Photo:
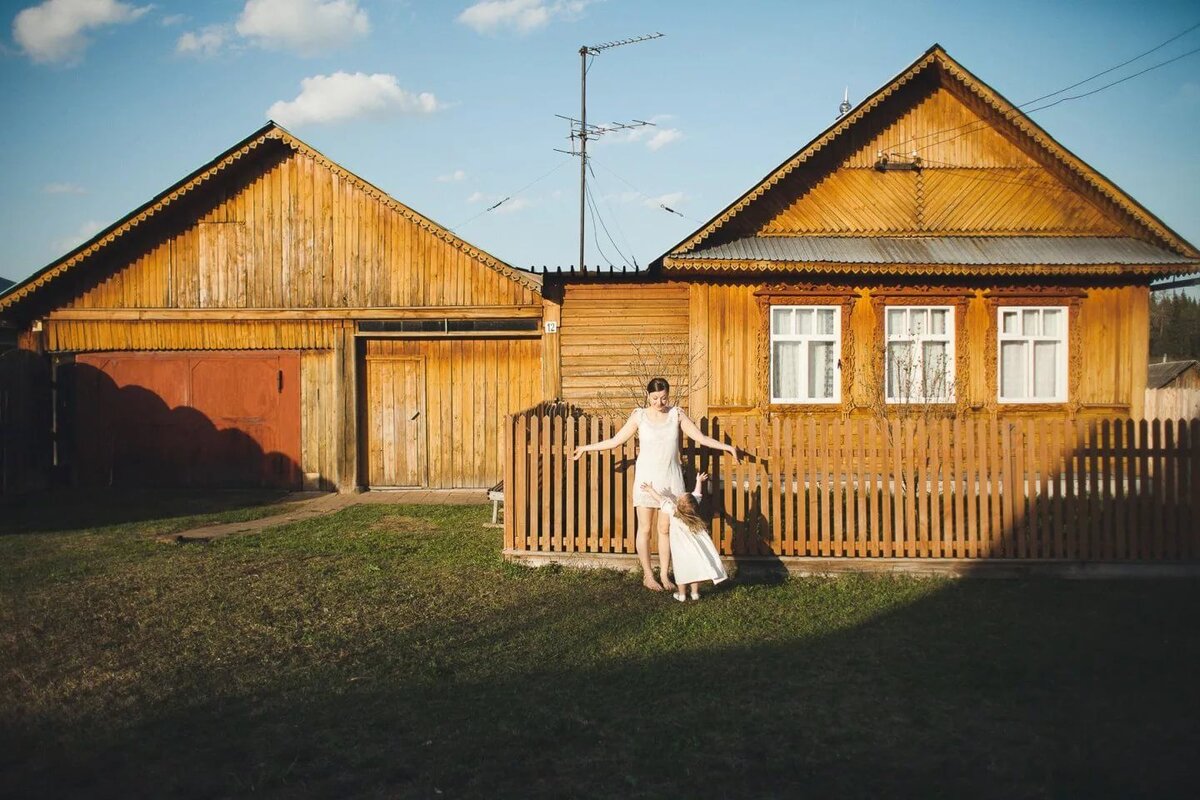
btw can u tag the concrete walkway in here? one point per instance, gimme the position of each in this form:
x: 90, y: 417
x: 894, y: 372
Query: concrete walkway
x: 306, y: 505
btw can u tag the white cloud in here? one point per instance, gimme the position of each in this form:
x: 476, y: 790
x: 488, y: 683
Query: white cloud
x: 513, y: 206
x: 654, y: 137
x: 523, y: 16
x: 342, y: 96
x: 663, y: 137
x: 670, y: 199
x: 63, y: 188
x: 305, y: 26
x: 69, y: 242
x: 173, y: 19
x: 208, y: 42
x: 475, y: 197
x: 453, y: 177
x: 53, y: 32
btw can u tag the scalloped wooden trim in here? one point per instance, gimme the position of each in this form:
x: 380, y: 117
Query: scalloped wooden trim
x: 1007, y: 112
x: 732, y: 265
x: 531, y: 282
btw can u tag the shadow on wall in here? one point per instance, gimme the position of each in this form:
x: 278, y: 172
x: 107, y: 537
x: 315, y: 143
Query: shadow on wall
x: 128, y: 436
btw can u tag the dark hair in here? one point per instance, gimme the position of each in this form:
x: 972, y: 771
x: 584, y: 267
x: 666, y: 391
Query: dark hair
x: 658, y: 385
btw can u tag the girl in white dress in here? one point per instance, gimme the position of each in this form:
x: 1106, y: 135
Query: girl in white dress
x: 657, y: 426
x: 695, y: 559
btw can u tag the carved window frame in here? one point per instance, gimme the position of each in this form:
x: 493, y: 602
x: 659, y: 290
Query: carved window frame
x: 842, y: 297
x: 1070, y: 300
x: 909, y: 296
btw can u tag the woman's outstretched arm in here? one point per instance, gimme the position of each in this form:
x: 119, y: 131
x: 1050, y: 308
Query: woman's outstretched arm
x: 618, y: 439
x: 693, y: 432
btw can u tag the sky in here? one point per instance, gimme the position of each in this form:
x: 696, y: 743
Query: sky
x: 450, y: 106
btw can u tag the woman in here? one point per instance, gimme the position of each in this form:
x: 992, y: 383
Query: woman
x: 657, y: 426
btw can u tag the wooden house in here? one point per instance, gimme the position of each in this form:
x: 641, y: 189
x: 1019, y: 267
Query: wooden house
x: 934, y: 246
x: 274, y: 319
x: 1174, y: 374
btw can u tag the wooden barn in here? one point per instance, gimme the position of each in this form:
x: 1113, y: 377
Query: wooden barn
x: 933, y: 246
x: 273, y: 319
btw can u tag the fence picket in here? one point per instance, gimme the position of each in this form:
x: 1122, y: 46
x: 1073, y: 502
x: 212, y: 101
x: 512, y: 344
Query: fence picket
x: 871, y: 488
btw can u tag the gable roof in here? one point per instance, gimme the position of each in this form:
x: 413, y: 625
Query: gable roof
x: 268, y: 133
x: 1161, y: 373
x: 5, y: 283
x: 721, y: 230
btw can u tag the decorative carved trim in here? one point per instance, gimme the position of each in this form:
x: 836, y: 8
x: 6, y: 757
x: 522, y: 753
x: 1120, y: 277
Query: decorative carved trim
x: 1071, y: 299
x: 820, y: 296
x: 1005, y: 270
x: 959, y: 299
x: 999, y: 106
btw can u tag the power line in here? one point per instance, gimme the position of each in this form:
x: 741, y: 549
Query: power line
x: 493, y: 207
x: 645, y: 196
x: 616, y: 221
x: 981, y: 124
x: 596, y: 215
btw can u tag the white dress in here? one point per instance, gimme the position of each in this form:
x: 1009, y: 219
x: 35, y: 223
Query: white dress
x: 693, y: 557
x: 657, y: 458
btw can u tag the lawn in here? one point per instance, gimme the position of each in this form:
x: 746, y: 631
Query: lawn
x: 388, y: 651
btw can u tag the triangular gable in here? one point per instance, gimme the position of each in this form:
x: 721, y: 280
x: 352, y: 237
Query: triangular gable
x: 270, y: 132
x: 1045, y: 189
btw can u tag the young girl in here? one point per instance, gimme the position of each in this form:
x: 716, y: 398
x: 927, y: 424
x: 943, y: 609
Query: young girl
x: 692, y: 552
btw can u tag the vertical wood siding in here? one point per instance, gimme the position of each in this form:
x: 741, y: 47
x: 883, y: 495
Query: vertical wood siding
x: 471, y: 385
x: 293, y: 234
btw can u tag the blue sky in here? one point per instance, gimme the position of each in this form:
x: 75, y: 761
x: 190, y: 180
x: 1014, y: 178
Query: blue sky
x: 449, y: 106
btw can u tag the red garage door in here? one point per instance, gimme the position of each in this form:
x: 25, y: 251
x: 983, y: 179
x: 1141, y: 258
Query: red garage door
x: 175, y: 419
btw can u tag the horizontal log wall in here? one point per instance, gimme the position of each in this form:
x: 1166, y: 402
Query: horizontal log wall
x: 1113, y: 490
x: 615, y: 337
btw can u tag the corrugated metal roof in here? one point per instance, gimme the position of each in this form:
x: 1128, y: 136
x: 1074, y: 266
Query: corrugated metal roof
x: 980, y: 250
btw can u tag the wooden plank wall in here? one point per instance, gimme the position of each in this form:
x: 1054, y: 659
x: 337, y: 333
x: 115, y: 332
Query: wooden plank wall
x: 471, y: 385
x: 973, y: 180
x: 92, y: 335
x: 1112, y: 324
x: 1031, y: 489
x: 297, y: 235
x: 613, y: 334
x: 318, y: 416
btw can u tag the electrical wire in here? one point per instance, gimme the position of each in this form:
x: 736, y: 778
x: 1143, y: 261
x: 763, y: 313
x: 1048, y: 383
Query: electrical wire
x: 645, y: 196
x: 529, y: 185
x: 616, y: 221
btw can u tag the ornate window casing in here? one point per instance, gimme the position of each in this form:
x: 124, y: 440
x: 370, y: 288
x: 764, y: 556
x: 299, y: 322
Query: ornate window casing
x: 955, y: 300
x: 1031, y: 366
x: 819, y: 301
x: 919, y: 354
x: 1068, y: 369
x: 806, y: 342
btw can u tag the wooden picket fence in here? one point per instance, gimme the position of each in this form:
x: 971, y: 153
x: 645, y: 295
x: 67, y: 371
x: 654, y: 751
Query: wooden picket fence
x: 1104, y: 490
x: 26, y: 447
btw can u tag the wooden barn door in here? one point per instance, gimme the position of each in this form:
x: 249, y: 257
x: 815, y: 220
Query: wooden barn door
x: 396, y: 452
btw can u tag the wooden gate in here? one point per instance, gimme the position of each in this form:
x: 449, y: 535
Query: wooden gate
x: 396, y: 452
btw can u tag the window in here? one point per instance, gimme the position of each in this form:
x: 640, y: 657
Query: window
x: 805, y: 344
x: 920, y: 354
x: 1033, y: 355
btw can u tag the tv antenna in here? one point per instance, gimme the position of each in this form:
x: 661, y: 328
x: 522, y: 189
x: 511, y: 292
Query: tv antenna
x: 581, y: 130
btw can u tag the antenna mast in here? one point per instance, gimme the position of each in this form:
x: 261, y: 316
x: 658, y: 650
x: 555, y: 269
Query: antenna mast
x: 581, y: 130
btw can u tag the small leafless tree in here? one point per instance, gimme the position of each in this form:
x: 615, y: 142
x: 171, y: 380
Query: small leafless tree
x: 655, y: 356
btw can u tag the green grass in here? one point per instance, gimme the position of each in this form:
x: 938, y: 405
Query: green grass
x: 388, y: 651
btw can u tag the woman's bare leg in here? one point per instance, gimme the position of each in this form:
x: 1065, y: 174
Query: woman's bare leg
x: 645, y: 521
x: 664, y: 551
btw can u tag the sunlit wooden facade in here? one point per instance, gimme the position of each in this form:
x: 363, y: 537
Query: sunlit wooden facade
x: 933, y: 193
x: 411, y: 343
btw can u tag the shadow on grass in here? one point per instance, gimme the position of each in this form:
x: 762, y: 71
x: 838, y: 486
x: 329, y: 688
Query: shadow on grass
x: 75, y: 509
x: 593, y: 689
